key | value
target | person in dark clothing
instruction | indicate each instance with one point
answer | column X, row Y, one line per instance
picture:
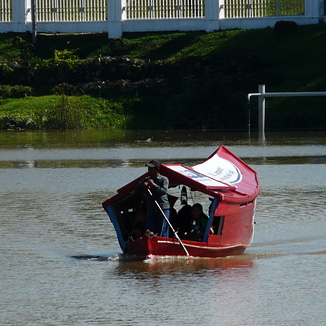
column 158, row 185
column 200, row 220
column 183, row 221
column 185, row 224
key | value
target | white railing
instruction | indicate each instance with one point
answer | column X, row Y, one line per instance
column 164, row 9
column 262, row 95
column 263, row 8
column 71, row 10
column 97, row 10
column 5, row 10
column 119, row 16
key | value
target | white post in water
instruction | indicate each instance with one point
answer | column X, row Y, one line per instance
column 261, row 113
column 261, row 105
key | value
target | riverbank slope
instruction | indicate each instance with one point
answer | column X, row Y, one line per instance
column 192, row 80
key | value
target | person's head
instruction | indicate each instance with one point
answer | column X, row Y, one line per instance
column 153, row 167
column 196, row 211
column 184, row 196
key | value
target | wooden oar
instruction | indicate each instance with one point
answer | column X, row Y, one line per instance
column 170, row 225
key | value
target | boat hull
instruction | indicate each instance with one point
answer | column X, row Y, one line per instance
column 158, row 246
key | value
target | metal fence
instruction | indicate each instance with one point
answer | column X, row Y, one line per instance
column 164, row 9
column 71, row 10
column 5, row 10
column 263, row 8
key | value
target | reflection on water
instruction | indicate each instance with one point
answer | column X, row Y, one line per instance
column 131, row 157
column 138, row 138
column 116, row 148
column 173, row 266
column 129, row 266
column 123, row 163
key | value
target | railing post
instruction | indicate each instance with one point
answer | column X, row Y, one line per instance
column 114, row 18
column 261, row 105
column 19, row 14
column 212, row 14
column 261, row 113
column 311, row 9
column 221, row 9
column 123, row 9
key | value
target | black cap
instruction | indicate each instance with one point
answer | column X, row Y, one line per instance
column 153, row 164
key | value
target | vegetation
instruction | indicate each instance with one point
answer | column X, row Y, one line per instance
column 61, row 112
column 178, row 80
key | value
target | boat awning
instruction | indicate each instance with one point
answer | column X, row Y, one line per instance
column 222, row 175
column 197, row 181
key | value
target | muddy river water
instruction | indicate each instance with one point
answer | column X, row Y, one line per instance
column 61, row 263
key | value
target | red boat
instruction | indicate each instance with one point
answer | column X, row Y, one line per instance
column 224, row 183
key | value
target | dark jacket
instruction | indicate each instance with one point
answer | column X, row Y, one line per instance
column 159, row 193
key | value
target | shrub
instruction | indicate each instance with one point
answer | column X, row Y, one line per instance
column 284, row 27
column 66, row 89
column 16, row 91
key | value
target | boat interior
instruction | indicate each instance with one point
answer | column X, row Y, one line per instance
column 130, row 214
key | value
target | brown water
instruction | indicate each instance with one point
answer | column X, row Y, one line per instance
column 61, row 263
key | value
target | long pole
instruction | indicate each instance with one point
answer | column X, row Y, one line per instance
column 261, row 113
column 170, row 225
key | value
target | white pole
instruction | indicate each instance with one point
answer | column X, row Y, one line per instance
column 261, row 113
column 261, row 105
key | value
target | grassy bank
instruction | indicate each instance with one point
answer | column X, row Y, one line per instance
column 61, row 112
column 171, row 80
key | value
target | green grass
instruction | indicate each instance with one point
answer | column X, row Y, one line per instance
column 61, row 112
